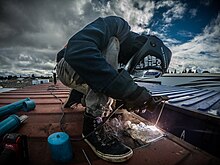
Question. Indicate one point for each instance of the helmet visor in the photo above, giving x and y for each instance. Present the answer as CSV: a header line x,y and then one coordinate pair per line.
x,y
148,67
153,58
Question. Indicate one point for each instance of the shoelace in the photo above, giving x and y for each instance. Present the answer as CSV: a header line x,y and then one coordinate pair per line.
x,y
107,135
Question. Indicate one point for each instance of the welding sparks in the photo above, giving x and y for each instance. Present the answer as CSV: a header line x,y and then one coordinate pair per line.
x,y
153,128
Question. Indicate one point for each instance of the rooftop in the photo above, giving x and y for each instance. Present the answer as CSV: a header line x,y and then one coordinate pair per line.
x,y
45,120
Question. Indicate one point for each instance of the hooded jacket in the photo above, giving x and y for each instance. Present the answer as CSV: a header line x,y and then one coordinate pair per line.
x,y
84,54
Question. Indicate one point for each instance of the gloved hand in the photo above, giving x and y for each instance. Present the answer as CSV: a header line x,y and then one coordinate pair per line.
x,y
138,100
155,102
143,100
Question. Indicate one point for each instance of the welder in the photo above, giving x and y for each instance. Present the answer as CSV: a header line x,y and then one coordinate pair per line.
x,y
89,65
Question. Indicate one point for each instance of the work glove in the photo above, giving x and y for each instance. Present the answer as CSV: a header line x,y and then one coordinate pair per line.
x,y
142,100
156,102
127,92
138,100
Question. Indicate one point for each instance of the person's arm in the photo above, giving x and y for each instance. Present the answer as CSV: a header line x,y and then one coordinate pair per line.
x,y
60,55
84,54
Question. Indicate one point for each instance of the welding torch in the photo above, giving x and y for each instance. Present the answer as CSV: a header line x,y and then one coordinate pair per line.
x,y
153,104
163,101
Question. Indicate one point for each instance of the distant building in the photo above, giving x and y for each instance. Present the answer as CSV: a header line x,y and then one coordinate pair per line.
x,y
40,81
205,71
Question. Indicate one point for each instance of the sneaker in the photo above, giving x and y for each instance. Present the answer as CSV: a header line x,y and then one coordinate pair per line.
x,y
103,142
74,97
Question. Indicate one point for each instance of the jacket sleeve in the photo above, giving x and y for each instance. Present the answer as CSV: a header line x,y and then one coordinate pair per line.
x,y
84,55
60,55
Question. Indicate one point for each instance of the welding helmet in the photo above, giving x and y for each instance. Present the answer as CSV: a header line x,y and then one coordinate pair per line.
x,y
151,59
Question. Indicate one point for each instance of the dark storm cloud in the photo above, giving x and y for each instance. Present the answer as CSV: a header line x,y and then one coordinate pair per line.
x,y
32,32
18,59
40,24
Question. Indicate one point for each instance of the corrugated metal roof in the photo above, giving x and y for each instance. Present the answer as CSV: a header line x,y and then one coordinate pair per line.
x,y
192,112
45,120
199,100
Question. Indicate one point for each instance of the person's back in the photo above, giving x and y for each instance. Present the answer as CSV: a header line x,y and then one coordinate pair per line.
x,y
89,65
88,45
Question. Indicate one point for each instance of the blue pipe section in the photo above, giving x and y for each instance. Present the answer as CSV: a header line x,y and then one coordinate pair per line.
x,y
26,105
9,124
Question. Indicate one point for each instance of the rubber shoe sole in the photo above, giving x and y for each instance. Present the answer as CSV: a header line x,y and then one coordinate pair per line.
x,y
108,157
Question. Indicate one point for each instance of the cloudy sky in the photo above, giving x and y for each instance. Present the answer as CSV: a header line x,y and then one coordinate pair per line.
x,y
33,31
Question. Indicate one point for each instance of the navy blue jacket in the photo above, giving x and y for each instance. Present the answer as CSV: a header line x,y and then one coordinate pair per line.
x,y
84,54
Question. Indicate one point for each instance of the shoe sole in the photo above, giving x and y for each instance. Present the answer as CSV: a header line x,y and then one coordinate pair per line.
x,y
110,158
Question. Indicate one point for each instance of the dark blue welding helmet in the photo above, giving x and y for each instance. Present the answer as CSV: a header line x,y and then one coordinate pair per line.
x,y
151,60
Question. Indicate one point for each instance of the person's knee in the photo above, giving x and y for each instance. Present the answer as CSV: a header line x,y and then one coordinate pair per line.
x,y
64,72
112,51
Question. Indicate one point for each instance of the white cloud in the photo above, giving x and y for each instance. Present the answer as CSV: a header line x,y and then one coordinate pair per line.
x,y
193,12
202,52
185,33
175,10
18,60
138,15
167,3
39,31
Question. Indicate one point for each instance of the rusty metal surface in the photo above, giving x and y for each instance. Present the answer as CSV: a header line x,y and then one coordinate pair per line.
x,y
44,120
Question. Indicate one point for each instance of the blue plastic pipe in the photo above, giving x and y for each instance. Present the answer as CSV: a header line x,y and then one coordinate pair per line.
x,y
25,105
9,124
